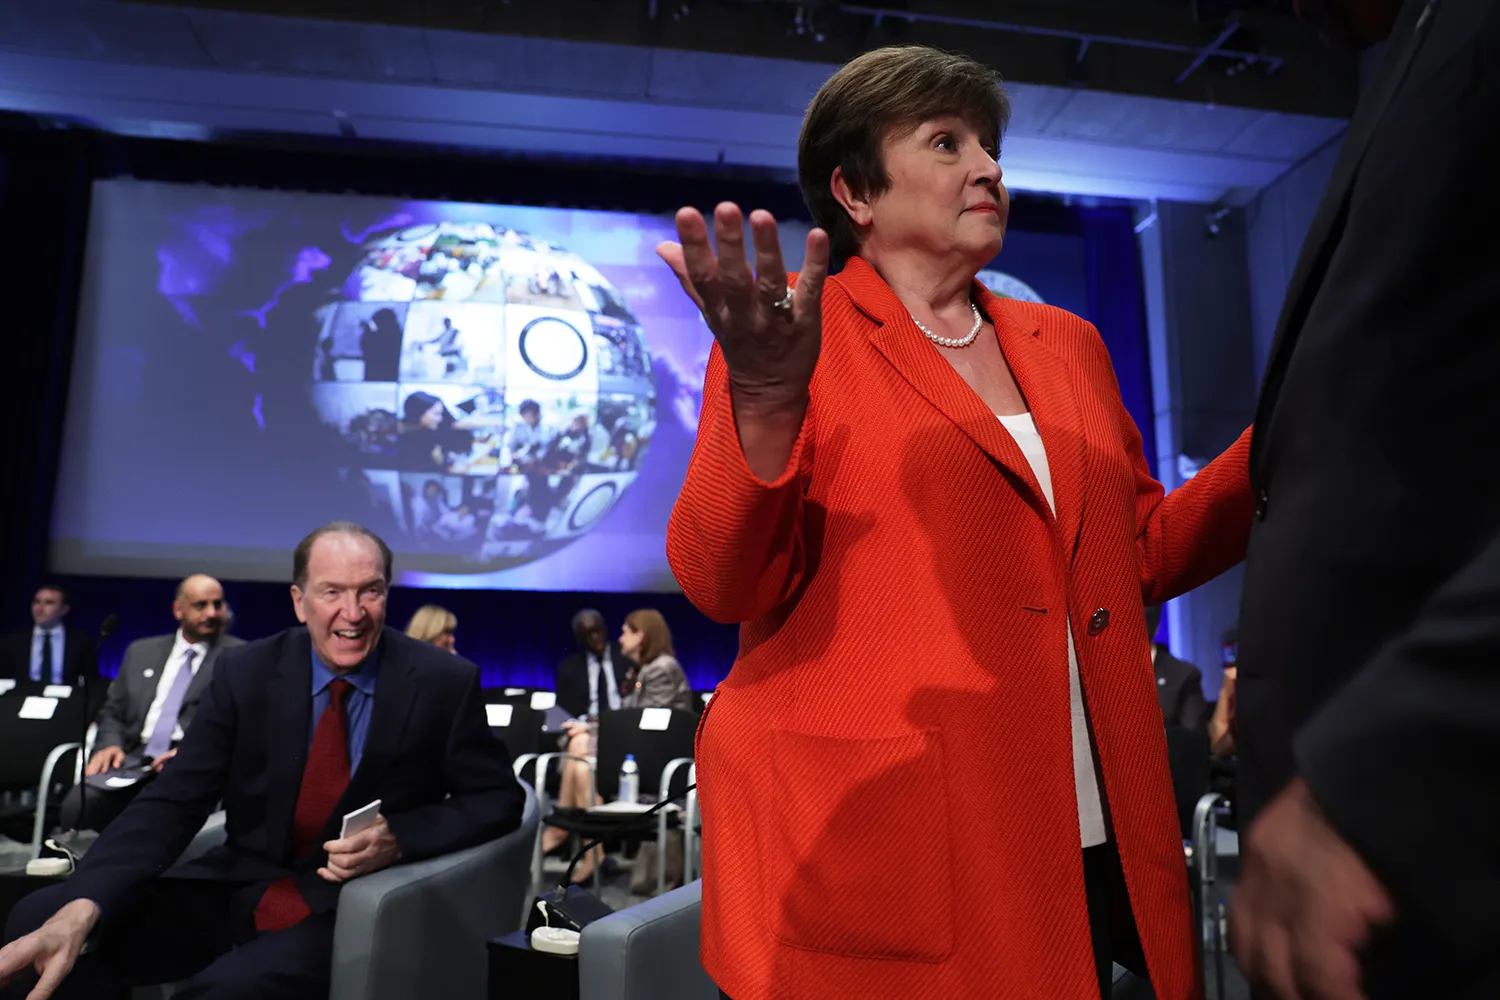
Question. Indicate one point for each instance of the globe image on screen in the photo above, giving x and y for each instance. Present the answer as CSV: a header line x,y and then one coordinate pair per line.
x,y
492,391
1007,286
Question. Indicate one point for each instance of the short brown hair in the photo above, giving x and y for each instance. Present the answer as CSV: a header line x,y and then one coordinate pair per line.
x,y
656,638
303,552
873,96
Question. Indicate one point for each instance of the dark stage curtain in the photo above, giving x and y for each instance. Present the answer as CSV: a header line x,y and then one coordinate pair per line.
x,y
1117,306
44,198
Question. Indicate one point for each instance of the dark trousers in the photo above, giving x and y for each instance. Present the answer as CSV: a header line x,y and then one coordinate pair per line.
x,y
1110,921
198,932
93,805
1111,924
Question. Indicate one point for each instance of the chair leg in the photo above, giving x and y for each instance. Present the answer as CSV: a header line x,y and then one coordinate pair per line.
x,y
536,852
661,852
1219,949
43,789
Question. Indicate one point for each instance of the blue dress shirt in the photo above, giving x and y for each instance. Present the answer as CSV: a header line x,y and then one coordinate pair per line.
x,y
57,655
357,707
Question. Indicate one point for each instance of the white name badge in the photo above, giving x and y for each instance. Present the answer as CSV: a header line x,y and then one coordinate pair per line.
x,y
512,692
35,707
57,691
656,718
543,700
499,715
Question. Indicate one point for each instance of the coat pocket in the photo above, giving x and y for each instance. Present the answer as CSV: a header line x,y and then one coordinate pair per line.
x,y
860,861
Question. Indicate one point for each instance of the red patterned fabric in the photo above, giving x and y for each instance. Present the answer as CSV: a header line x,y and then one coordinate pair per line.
x,y
886,775
324,779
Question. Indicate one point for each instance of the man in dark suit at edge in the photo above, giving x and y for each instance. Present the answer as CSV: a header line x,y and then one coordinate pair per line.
x,y
49,652
1368,722
592,680
296,731
1179,690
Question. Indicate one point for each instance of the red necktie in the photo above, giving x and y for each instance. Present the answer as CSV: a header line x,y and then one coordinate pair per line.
x,y
324,779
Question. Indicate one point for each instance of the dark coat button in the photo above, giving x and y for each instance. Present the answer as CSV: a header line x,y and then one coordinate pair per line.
x,y
1098,621
1262,501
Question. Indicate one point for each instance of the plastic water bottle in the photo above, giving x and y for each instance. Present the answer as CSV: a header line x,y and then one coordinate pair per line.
x,y
630,780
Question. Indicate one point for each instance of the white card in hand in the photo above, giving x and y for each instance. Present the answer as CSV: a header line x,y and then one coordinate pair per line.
x,y
656,718
114,781
359,819
499,715
57,691
35,707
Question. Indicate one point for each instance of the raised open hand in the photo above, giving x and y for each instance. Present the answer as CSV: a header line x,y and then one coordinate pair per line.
x,y
769,337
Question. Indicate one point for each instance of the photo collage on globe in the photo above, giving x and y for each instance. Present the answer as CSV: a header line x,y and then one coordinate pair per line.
x,y
492,390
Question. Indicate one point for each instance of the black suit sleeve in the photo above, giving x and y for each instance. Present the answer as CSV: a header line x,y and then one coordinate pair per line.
x,y
484,800
1192,709
15,656
1403,759
151,834
573,698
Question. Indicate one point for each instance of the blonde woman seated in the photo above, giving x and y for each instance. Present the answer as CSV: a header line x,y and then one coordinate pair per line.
x,y
435,625
655,681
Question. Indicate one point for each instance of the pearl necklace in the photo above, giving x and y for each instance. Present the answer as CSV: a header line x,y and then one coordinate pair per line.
x,y
953,341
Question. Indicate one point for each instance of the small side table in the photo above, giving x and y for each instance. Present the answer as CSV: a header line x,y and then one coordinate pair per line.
x,y
518,971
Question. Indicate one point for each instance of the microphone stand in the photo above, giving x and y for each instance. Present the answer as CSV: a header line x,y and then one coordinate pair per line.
x,y
106,629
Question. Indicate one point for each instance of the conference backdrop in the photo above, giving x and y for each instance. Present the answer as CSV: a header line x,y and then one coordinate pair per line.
x,y
508,394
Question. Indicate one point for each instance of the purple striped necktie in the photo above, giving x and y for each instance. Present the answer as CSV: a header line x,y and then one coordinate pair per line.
x,y
166,722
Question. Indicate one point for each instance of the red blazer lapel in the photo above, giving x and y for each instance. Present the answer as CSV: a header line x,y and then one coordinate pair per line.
x,y
1046,380
896,337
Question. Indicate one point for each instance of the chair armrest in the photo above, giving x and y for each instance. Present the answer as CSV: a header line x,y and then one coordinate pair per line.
x,y
43,788
690,825
419,930
662,791
543,759
206,839
648,950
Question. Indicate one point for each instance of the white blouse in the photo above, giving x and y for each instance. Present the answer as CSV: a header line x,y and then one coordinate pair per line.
x,y
1086,782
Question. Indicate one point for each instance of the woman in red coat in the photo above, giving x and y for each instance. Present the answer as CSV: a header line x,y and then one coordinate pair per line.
x,y
901,461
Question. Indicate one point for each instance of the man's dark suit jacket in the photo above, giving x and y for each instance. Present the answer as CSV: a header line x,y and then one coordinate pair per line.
x,y
444,780
78,655
573,680
134,689
1179,688
1370,628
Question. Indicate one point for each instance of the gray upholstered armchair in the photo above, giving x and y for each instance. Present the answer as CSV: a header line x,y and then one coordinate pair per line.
x,y
419,930
650,952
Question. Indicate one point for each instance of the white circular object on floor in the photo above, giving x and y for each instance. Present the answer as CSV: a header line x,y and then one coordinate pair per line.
x,y
554,941
48,866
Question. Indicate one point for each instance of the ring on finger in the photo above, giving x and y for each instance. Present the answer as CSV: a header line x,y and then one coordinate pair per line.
x,y
784,304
